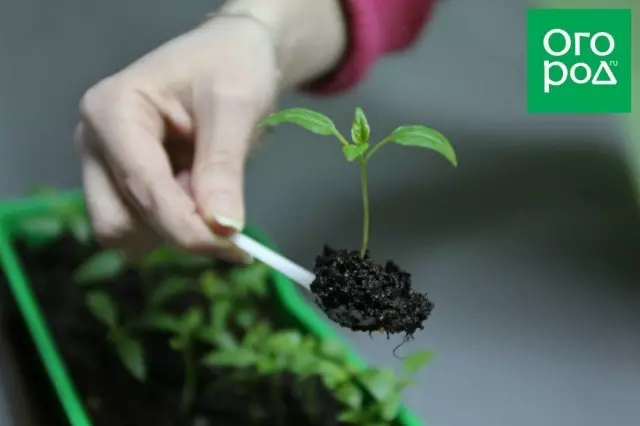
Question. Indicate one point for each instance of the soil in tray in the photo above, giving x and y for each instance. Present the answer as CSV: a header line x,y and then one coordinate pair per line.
x,y
112,397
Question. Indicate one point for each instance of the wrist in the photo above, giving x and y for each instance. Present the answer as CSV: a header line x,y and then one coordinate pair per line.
x,y
310,36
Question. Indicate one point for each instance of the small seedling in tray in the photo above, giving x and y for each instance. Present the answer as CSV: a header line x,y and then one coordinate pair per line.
x,y
175,339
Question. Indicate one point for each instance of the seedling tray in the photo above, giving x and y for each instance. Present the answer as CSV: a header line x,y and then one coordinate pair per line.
x,y
293,308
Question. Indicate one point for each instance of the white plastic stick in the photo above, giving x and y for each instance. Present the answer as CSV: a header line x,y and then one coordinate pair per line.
x,y
269,257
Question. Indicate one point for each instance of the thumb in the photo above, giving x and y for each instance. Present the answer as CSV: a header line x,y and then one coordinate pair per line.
x,y
224,127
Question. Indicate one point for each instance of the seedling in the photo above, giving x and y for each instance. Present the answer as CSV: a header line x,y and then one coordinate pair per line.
x,y
67,217
224,328
263,352
360,149
127,345
352,290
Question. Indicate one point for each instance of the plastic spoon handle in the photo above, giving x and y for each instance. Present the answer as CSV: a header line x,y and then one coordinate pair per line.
x,y
278,262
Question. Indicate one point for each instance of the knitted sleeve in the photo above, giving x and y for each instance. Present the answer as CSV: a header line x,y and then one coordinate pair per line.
x,y
375,27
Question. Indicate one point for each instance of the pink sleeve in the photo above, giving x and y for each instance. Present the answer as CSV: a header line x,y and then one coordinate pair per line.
x,y
376,27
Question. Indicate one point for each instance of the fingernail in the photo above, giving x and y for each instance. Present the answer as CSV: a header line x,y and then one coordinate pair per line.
x,y
220,210
228,222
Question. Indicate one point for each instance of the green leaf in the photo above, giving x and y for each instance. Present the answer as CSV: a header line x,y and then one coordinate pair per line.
x,y
252,278
191,320
257,335
287,341
221,339
414,362
303,361
61,205
219,313
158,257
268,365
390,407
353,152
169,288
212,285
237,357
101,266
303,365
360,130
166,255
332,349
46,227
306,118
245,318
309,344
380,382
424,137
131,354
163,322
226,340
103,308
351,416
349,394
333,375
80,229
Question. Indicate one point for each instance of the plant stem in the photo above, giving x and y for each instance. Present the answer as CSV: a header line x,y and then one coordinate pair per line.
x,y
365,207
341,138
375,148
189,389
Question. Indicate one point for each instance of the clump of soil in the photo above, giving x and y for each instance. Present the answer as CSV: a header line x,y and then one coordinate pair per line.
x,y
361,295
110,394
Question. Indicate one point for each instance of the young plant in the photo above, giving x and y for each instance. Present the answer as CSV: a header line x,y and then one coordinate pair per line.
x,y
227,322
187,333
271,354
348,385
227,299
360,149
127,345
386,389
348,285
109,263
66,216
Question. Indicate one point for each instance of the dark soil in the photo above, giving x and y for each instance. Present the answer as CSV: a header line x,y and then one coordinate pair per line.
x,y
361,295
111,396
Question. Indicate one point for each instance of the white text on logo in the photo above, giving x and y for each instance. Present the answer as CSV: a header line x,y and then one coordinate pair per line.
x,y
580,72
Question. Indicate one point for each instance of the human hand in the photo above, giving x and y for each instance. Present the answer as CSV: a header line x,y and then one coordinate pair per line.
x,y
163,142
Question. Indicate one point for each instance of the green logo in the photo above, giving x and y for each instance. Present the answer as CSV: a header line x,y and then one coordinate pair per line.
x,y
579,61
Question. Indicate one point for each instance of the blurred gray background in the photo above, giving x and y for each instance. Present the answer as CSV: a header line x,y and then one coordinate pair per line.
x,y
529,249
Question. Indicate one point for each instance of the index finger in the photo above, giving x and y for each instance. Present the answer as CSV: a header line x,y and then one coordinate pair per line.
x,y
131,130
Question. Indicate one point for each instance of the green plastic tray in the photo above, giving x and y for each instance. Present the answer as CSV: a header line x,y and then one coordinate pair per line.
x,y
294,308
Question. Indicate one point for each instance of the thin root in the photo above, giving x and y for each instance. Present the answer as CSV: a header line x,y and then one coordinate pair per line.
x,y
407,338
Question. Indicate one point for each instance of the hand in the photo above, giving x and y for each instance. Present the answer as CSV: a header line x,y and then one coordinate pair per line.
x,y
164,141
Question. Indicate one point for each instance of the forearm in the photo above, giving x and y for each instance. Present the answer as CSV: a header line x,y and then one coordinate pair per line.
x,y
310,35
374,28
